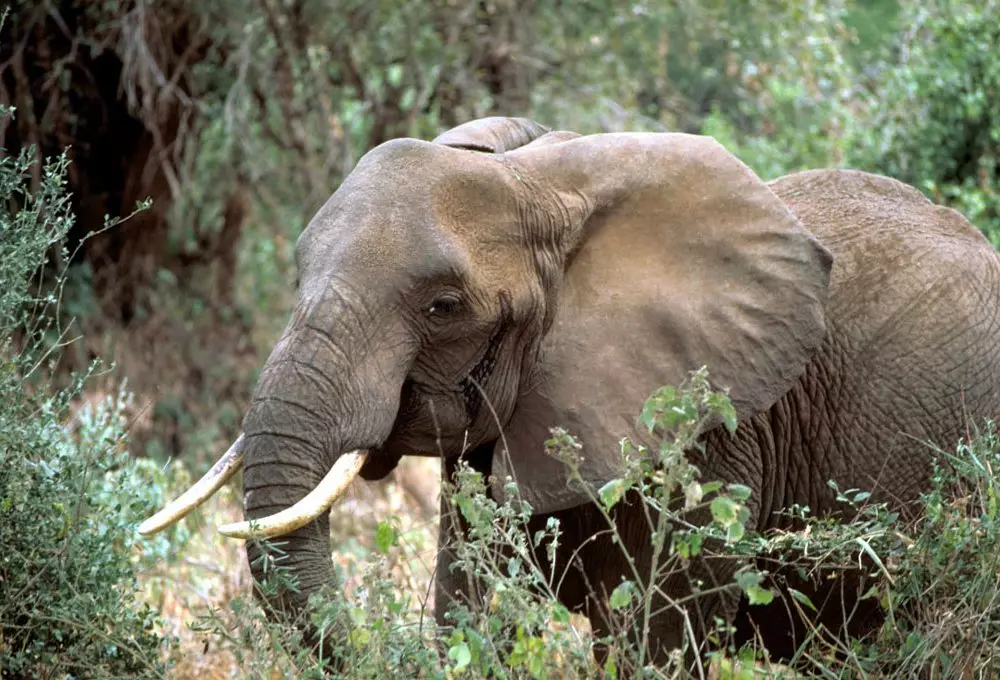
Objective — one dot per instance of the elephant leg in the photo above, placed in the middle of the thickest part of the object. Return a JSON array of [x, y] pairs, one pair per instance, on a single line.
[[456, 585], [690, 595], [842, 613]]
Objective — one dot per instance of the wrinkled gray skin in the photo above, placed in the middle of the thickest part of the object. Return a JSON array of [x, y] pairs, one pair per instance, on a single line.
[[570, 276]]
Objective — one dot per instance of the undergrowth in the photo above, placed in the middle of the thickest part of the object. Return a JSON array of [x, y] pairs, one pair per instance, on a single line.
[[933, 580], [69, 495]]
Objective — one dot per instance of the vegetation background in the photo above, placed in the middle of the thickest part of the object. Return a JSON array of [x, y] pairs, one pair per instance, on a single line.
[[128, 345]]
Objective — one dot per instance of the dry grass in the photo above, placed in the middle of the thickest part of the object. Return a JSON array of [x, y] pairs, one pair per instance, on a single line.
[[211, 570]]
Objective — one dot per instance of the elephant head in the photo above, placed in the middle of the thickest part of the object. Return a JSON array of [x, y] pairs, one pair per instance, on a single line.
[[502, 280]]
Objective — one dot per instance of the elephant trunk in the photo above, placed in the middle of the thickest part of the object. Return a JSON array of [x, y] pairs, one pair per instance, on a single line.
[[316, 403], [271, 485]]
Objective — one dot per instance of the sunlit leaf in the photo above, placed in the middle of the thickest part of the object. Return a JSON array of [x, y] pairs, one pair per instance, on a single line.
[[612, 492], [385, 537], [622, 595]]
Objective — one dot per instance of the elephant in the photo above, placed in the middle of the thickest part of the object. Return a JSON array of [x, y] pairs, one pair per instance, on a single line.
[[462, 296]]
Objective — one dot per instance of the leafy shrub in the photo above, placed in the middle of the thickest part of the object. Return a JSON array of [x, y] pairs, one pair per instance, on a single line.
[[943, 599], [799, 103], [934, 579], [69, 497], [923, 106]]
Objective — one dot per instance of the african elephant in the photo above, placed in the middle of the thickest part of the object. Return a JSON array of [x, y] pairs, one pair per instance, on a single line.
[[504, 278]]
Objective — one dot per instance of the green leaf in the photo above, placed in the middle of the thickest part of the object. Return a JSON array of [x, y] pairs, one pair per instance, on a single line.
[[359, 637], [739, 492], [719, 403], [724, 510], [621, 596], [750, 583], [559, 613], [461, 655], [711, 487], [394, 75], [385, 537], [801, 598], [612, 492], [688, 545], [760, 596], [875, 558]]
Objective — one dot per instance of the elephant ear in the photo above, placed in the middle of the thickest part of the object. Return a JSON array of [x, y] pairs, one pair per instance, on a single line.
[[496, 134], [671, 255]]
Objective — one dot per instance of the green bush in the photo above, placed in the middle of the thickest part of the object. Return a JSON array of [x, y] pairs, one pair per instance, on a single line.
[[943, 599], [69, 497], [936, 110], [934, 578], [798, 105], [838, 87]]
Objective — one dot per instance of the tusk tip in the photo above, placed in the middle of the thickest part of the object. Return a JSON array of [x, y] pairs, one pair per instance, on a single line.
[[201, 491], [149, 527], [236, 530]]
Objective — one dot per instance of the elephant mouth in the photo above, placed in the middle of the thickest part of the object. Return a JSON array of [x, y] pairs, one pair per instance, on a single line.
[[379, 464]]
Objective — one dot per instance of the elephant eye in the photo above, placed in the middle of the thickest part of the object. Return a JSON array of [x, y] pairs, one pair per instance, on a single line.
[[446, 305]]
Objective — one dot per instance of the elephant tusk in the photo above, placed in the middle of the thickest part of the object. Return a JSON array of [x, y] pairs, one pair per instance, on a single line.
[[202, 490], [306, 510]]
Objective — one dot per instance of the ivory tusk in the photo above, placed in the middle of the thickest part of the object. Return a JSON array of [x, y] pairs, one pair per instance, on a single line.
[[200, 492], [306, 510]]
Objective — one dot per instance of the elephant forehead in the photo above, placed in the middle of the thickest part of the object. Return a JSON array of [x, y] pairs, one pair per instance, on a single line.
[[437, 194], [478, 210], [428, 209], [379, 246]]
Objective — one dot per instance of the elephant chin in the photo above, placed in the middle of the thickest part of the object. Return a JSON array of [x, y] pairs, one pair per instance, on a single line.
[[379, 464]]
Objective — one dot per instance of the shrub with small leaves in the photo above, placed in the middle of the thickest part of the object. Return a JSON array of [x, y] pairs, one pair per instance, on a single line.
[[934, 577], [941, 591], [518, 628], [69, 496]]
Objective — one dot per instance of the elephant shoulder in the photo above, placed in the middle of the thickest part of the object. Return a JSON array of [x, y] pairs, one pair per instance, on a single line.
[[904, 267], [879, 218], [840, 184]]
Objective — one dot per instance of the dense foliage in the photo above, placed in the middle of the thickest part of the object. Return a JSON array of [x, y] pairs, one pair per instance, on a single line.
[[69, 494], [936, 122], [239, 117], [933, 579]]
